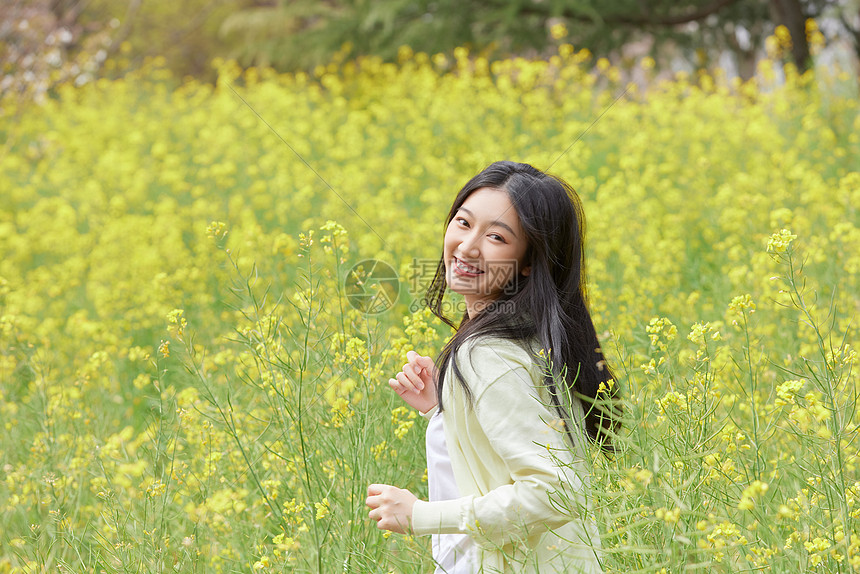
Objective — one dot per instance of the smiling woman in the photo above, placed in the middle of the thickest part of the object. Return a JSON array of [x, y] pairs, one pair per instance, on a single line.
[[507, 472], [484, 248]]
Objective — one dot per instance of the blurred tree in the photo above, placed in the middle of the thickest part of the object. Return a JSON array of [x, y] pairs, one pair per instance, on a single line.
[[43, 42], [849, 18], [46, 42], [303, 33], [792, 15], [184, 33]]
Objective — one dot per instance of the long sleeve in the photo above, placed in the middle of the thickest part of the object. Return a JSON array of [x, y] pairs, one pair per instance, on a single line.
[[511, 430]]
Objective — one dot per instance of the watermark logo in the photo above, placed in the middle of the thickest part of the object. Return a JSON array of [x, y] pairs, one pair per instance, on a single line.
[[372, 286], [457, 308], [498, 274]]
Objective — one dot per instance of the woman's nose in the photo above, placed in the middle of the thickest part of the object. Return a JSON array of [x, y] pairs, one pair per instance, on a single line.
[[469, 246]]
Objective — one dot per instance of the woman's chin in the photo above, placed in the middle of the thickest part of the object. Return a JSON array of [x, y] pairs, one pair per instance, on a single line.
[[458, 287]]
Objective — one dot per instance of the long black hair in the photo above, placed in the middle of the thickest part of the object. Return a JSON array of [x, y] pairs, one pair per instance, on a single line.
[[549, 304]]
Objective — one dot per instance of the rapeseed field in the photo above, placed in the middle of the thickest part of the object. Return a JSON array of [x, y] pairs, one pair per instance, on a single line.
[[188, 385]]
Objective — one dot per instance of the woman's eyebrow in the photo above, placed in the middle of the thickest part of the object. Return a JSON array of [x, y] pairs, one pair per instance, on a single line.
[[496, 222]]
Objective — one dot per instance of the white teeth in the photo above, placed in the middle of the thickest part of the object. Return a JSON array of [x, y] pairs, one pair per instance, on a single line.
[[467, 268]]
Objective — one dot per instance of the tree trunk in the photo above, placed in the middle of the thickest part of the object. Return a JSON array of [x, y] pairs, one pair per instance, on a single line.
[[855, 35], [745, 58], [789, 13]]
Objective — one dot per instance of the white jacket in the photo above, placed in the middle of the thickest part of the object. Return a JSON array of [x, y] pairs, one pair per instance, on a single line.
[[525, 488]]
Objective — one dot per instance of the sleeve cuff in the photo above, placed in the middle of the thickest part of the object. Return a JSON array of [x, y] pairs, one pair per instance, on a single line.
[[439, 517], [429, 414]]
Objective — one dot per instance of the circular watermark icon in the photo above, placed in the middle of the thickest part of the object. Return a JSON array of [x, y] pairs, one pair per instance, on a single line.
[[372, 286]]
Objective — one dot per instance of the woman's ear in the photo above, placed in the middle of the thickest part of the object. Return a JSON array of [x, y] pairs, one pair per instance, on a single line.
[[527, 270]]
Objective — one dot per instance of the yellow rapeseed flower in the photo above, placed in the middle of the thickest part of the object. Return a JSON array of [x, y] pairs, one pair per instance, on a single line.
[[780, 241], [323, 509]]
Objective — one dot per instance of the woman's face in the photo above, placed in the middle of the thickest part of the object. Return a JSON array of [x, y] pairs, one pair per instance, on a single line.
[[484, 248]]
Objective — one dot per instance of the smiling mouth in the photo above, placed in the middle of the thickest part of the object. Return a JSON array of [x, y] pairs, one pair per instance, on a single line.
[[466, 268]]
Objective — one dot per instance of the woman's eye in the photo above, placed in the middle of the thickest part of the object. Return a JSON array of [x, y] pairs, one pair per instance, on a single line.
[[499, 237]]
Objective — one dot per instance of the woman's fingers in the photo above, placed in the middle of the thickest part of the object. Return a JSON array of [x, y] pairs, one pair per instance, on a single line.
[[419, 361], [373, 501], [396, 386], [374, 494], [400, 387], [423, 400], [410, 371], [402, 384], [427, 363], [416, 383], [423, 366], [391, 507], [410, 379]]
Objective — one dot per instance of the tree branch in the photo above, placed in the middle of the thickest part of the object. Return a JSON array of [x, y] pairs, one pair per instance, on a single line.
[[123, 33], [645, 19], [853, 32]]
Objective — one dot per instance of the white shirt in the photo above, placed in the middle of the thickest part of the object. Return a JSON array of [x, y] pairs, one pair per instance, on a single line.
[[453, 553], [525, 496]]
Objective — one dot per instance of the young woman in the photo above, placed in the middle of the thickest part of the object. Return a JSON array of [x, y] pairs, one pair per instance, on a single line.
[[507, 472]]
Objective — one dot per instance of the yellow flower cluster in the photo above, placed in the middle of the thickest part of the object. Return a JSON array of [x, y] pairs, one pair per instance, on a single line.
[[661, 331], [780, 241], [751, 493], [787, 391], [668, 516], [739, 307], [402, 419]]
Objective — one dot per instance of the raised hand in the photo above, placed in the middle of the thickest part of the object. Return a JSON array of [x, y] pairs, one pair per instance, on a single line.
[[416, 383]]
